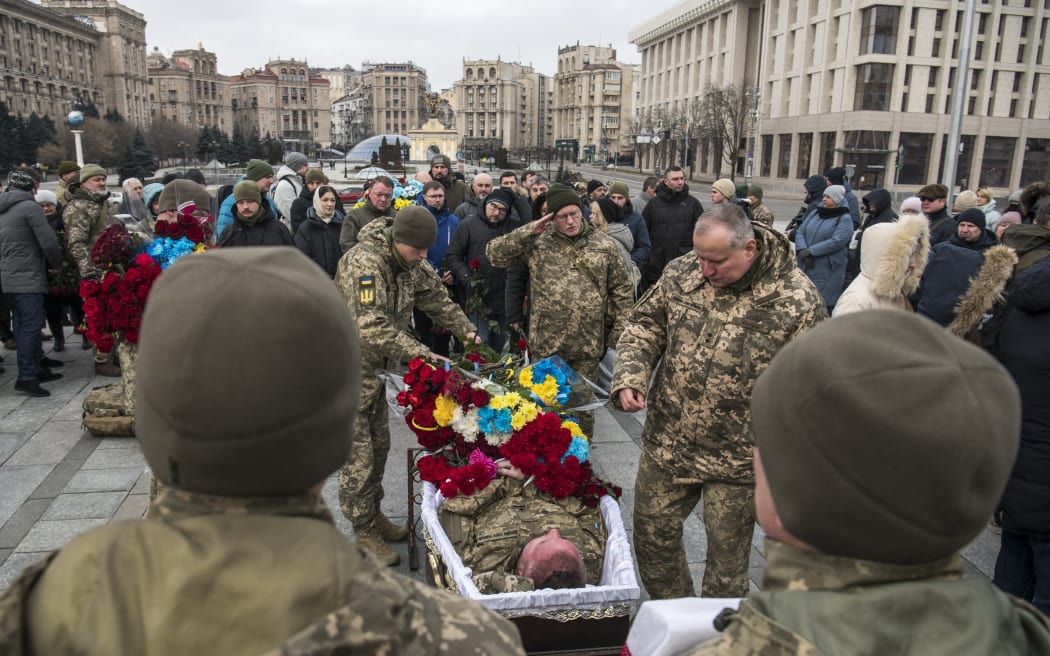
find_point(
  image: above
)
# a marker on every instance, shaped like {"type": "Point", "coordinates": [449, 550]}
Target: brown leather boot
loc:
{"type": "Point", "coordinates": [369, 538]}
{"type": "Point", "coordinates": [390, 531]}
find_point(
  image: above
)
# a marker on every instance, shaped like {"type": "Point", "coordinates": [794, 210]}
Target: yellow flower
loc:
{"type": "Point", "coordinates": [547, 390]}
{"type": "Point", "coordinates": [574, 429]}
{"type": "Point", "coordinates": [200, 248]}
{"type": "Point", "coordinates": [525, 413]}
{"type": "Point", "coordinates": [525, 377]}
{"type": "Point", "coordinates": [402, 203]}
{"type": "Point", "coordinates": [444, 406]}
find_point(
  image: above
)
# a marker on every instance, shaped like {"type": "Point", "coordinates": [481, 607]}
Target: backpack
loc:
{"type": "Point", "coordinates": [222, 193]}
{"type": "Point", "coordinates": [105, 412]}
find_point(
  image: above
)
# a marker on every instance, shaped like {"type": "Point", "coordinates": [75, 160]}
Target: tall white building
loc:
{"type": "Point", "coordinates": [501, 104]}
{"type": "Point", "coordinates": [857, 83]}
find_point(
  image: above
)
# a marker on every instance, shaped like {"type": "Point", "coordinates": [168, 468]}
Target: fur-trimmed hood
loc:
{"type": "Point", "coordinates": [888, 248]}
{"type": "Point", "coordinates": [985, 289]}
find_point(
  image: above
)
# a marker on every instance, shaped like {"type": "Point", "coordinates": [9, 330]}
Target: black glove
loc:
{"type": "Point", "coordinates": [806, 258]}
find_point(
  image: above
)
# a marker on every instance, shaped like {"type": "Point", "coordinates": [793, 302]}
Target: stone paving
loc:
{"type": "Point", "coordinates": [57, 481]}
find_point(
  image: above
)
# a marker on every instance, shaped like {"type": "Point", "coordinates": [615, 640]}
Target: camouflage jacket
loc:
{"type": "Point", "coordinates": [491, 527]}
{"type": "Point", "coordinates": [357, 218]}
{"type": "Point", "coordinates": [381, 290]}
{"type": "Point", "coordinates": [62, 192]}
{"type": "Point", "coordinates": [581, 290]}
{"type": "Point", "coordinates": [713, 343]}
{"type": "Point", "coordinates": [230, 576]}
{"type": "Point", "coordinates": [761, 214]}
{"type": "Point", "coordinates": [85, 217]}
{"type": "Point", "coordinates": [814, 604]}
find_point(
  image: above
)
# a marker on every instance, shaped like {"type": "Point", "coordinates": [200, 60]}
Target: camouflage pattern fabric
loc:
{"type": "Point", "coordinates": [105, 412]}
{"type": "Point", "coordinates": [297, 585]}
{"type": "Point", "coordinates": [500, 582]}
{"type": "Point", "coordinates": [815, 604]}
{"type": "Point", "coordinates": [357, 218]}
{"type": "Point", "coordinates": [380, 292]}
{"type": "Point", "coordinates": [62, 192]}
{"type": "Point", "coordinates": [581, 290]}
{"type": "Point", "coordinates": [711, 344]}
{"type": "Point", "coordinates": [761, 214]}
{"type": "Point", "coordinates": [662, 504]}
{"type": "Point", "coordinates": [491, 527]}
{"type": "Point", "coordinates": [85, 217]}
{"type": "Point", "coordinates": [128, 355]}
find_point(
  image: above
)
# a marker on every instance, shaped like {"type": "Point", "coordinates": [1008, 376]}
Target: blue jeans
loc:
{"type": "Point", "coordinates": [495, 340]}
{"type": "Point", "coordinates": [29, 319]}
{"type": "Point", "coordinates": [1023, 568]}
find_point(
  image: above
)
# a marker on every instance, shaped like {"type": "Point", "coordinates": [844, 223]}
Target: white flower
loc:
{"type": "Point", "coordinates": [466, 424]}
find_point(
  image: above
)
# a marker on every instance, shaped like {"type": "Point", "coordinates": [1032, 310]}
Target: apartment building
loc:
{"type": "Point", "coordinates": [120, 53]}
{"type": "Point", "coordinates": [593, 102]}
{"type": "Point", "coordinates": [502, 104]}
{"type": "Point", "coordinates": [866, 85]}
{"type": "Point", "coordinates": [187, 88]}
{"type": "Point", "coordinates": [393, 96]}
{"type": "Point", "coordinates": [285, 100]}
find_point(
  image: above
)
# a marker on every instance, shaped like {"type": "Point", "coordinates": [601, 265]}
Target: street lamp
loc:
{"type": "Point", "coordinates": [182, 146]}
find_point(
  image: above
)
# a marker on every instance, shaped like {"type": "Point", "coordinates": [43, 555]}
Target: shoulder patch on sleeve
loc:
{"type": "Point", "coordinates": [366, 293]}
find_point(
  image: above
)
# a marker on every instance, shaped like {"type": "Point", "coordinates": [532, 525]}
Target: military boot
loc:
{"type": "Point", "coordinates": [370, 538]}
{"type": "Point", "coordinates": [390, 531]}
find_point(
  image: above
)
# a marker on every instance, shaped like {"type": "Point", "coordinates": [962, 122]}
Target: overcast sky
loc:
{"type": "Point", "coordinates": [436, 35]}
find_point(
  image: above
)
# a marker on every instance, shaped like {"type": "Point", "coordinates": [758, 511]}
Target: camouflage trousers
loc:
{"type": "Point", "coordinates": [361, 478]}
{"type": "Point", "coordinates": [661, 505]}
{"type": "Point", "coordinates": [589, 370]}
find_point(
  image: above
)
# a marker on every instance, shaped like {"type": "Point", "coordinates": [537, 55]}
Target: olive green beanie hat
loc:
{"type": "Point", "coordinates": [560, 196]}
{"type": "Point", "coordinates": [258, 169]}
{"type": "Point", "coordinates": [231, 400]}
{"type": "Point", "coordinates": [90, 171]}
{"type": "Point", "coordinates": [619, 188]}
{"type": "Point", "coordinates": [415, 226]}
{"type": "Point", "coordinates": [247, 190]}
{"type": "Point", "coordinates": [884, 437]}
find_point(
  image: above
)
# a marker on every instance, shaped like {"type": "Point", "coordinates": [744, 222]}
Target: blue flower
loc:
{"type": "Point", "coordinates": [579, 448]}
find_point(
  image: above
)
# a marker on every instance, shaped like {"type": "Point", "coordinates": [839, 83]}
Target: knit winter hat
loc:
{"type": "Point", "coordinates": [440, 159]}
{"type": "Point", "coordinates": [756, 191]}
{"type": "Point", "coordinates": [47, 196]}
{"type": "Point", "coordinates": [836, 175]}
{"type": "Point", "coordinates": [501, 195]}
{"type": "Point", "coordinates": [725, 187]}
{"type": "Point", "coordinates": [90, 171]}
{"type": "Point", "coordinates": [295, 161]}
{"type": "Point", "coordinates": [619, 188]}
{"type": "Point", "coordinates": [245, 190]}
{"type": "Point", "coordinates": [934, 191]}
{"type": "Point", "coordinates": [178, 193]}
{"type": "Point", "coordinates": [965, 200]}
{"type": "Point", "coordinates": [560, 196]}
{"type": "Point", "coordinates": [258, 169]}
{"type": "Point", "coordinates": [415, 226]}
{"type": "Point", "coordinates": [209, 414]}
{"type": "Point", "coordinates": [22, 178]}
{"type": "Point", "coordinates": [593, 185]}
{"type": "Point", "coordinates": [610, 210]}
{"type": "Point", "coordinates": [973, 215]}
{"type": "Point", "coordinates": [316, 175]}
{"type": "Point", "coordinates": [1007, 217]}
{"type": "Point", "coordinates": [67, 166]}
{"type": "Point", "coordinates": [911, 204]}
{"type": "Point", "coordinates": [868, 457]}
{"type": "Point", "coordinates": [836, 193]}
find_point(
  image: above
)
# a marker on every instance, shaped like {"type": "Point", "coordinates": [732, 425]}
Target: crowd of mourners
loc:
{"type": "Point", "coordinates": [868, 384]}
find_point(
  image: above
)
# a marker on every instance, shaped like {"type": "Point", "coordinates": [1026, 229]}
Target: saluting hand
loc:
{"type": "Point", "coordinates": [540, 224]}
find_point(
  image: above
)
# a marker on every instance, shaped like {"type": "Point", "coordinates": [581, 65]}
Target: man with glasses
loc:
{"type": "Point", "coordinates": [433, 199]}
{"type": "Point", "coordinates": [580, 288]}
{"type": "Point", "coordinates": [379, 200]}
{"type": "Point", "coordinates": [934, 198]}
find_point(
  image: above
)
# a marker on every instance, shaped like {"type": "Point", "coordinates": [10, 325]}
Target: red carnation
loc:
{"type": "Point", "coordinates": [479, 398]}
{"type": "Point", "coordinates": [474, 264]}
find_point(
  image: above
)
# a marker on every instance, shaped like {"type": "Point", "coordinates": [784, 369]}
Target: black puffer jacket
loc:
{"type": "Point", "coordinates": [468, 243]}
{"type": "Point", "coordinates": [299, 206]}
{"type": "Point", "coordinates": [877, 209]}
{"type": "Point", "coordinates": [1025, 504]}
{"type": "Point", "coordinates": [320, 241]}
{"type": "Point", "coordinates": [670, 218]}
{"type": "Point", "coordinates": [267, 231]}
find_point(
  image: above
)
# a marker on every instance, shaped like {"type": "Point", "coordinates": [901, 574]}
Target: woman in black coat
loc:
{"type": "Point", "coordinates": [318, 236]}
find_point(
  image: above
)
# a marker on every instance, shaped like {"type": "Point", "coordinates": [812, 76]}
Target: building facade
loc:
{"type": "Point", "coordinates": [593, 103]}
{"type": "Point", "coordinates": [285, 100]}
{"type": "Point", "coordinates": [349, 120]}
{"type": "Point", "coordinates": [501, 104]}
{"type": "Point", "coordinates": [866, 85]}
{"type": "Point", "coordinates": [393, 95]}
{"type": "Point", "coordinates": [341, 81]}
{"type": "Point", "coordinates": [121, 53]}
{"type": "Point", "coordinates": [187, 88]}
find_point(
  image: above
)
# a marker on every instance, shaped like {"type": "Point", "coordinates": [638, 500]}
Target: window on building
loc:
{"type": "Point", "coordinates": [827, 150]}
{"type": "Point", "coordinates": [873, 87]}
{"type": "Point", "coordinates": [878, 33]}
{"type": "Point", "coordinates": [805, 154]}
{"type": "Point", "coordinates": [784, 157]}
{"type": "Point", "coordinates": [1036, 164]}
{"type": "Point", "coordinates": [997, 161]}
{"type": "Point", "coordinates": [962, 162]}
{"type": "Point", "coordinates": [935, 50]}
{"type": "Point", "coordinates": [915, 160]}
{"type": "Point", "coordinates": [767, 155]}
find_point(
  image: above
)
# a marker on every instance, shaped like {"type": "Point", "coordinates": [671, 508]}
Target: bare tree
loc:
{"type": "Point", "coordinates": [164, 137]}
{"type": "Point", "coordinates": [724, 117]}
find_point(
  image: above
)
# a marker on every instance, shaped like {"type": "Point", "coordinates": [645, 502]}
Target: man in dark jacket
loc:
{"type": "Point", "coordinates": [642, 245]}
{"type": "Point", "coordinates": [877, 209]}
{"type": "Point", "coordinates": [971, 231]}
{"type": "Point", "coordinates": [814, 186]}
{"type": "Point", "coordinates": [934, 199]}
{"type": "Point", "coordinates": [467, 247]}
{"type": "Point", "coordinates": [455, 190]}
{"type": "Point", "coordinates": [669, 216]}
{"type": "Point", "coordinates": [1030, 240]}
{"type": "Point", "coordinates": [379, 200]}
{"type": "Point", "coordinates": [28, 248]}
{"type": "Point", "coordinates": [254, 223]}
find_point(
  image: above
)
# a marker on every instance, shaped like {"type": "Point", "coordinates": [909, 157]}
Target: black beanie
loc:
{"type": "Point", "coordinates": [610, 210]}
{"type": "Point", "coordinates": [974, 216]}
{"type": "Point", "coordinates": [594, 184]}
{"type": "Point", "coordinates": [837, 175]}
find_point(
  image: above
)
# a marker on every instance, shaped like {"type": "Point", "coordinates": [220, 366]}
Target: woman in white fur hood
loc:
{"type": "Point", "coordinates": [891, 265]}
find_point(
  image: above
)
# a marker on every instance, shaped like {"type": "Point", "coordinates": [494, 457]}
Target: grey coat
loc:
{"type": "Point", "coordinates": [28, 245]}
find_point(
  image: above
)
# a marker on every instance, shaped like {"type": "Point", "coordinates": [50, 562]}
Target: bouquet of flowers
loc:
{"type": "Point", "coordinates": [404, 195]}
{"type": "Point", "coordinates": [187, 234]}
{"type": "Point", "coordinates": [466, 422]}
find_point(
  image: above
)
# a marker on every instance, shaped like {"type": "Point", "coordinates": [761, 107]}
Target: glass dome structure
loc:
{"type": "Point", "coordinates": [362, 151]}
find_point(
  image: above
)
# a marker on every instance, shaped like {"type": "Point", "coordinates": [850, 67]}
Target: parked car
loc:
{"type": "Point", "coordinates": [350, 195]}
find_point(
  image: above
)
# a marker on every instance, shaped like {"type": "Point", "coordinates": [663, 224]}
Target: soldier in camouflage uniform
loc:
{"type": "Point", "coordinates": [85, 217]}
{"type": "Point", "coordinates": [382, 279]}
{"type": "Point", "coordinates": [869, 479]}
{"type": "Point", "coordinates": [68, 174]}
{"type": "Point", "coordinates": [491, 528]}
{"type": "Point", "coordinates": [242, 556]}
{"type": "Point", "coordinates": [716, 317]}
{"type": "Point", "coordinates": [581, 289]}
